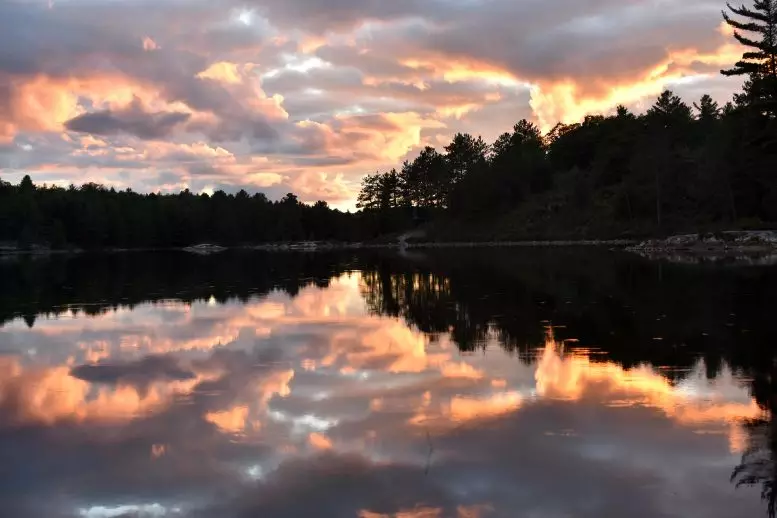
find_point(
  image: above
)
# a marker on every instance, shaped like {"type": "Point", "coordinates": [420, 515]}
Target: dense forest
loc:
{"type": "Point", "coordinates": [93, 216]}
{"type": "Point", "coordinates": [676, 167]}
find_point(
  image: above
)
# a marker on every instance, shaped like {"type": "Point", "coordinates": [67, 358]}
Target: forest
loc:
{"type": "Point", "coordinates": [677, 167]}
{"type": "Point", "coordinates": [94, 216]}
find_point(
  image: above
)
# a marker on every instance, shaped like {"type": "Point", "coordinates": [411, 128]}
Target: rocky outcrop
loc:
{"type": "Point", "coordinates": [204, 249]}
{"type": "Point", "coordinates": [750, 245]}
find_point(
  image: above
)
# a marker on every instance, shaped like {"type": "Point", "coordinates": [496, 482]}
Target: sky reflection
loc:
{"type": "Point", "coordinates": [311, 406]}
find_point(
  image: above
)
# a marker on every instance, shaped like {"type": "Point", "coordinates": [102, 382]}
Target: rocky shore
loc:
{"type": "Point", "coordinates": [755, 247]}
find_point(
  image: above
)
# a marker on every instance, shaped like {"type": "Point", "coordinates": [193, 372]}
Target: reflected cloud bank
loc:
{"type": "Point", "coordinates": [312, 403]}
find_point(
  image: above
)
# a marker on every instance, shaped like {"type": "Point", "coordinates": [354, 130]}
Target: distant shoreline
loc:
{"type": "Point", "coordinates": [312, 246]}
{"type": "Point", "coordinates": [722, 244]}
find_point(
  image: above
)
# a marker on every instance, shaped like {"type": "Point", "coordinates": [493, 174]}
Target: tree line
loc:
{"type": "Point", "coordinates": [674, 167]}
{"type": "Point", "coordinates": [93, 216]}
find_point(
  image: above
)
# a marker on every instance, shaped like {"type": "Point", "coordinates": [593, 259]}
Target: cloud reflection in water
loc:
{"type": "Point", "coordinates": [310, 405]}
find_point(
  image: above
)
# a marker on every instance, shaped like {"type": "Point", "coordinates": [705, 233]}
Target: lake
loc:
{"type": "Point", "coordinates": [541, 383]}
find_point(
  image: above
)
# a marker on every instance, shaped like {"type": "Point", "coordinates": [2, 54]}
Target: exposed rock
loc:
{"type": "Point", "coordinates": [722, 245]}
{"type": "Point", "coordinates": [204, 249]}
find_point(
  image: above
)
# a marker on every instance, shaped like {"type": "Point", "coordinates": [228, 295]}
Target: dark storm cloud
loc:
{"type": "Point", "coordinates": [140, 373]}
{"type": "Point", "coordinates": [339, 14]}
{"type": "Point", "coordinates": [333, 485]}
{"type": "Point", "coordinates": [35, 39]}
{"type": "Point", "coordinates": [133, 120]}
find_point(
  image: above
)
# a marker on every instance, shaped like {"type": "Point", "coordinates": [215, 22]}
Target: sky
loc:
{"type": "Point", "coordinates": [309, 96]}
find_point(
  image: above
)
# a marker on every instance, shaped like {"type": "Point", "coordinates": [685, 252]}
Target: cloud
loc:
{"type": "Point", "coordinates": [140, 373]}
{"type": "Point", "coordinates": [304, 94]}
{"type": "Point", "coordinates": [250, 405]}
{"type": "Point", "coordinates": [51, 395]}
{"type": "Point", "coordinates": [133, 120]}
{"type": "Point", "coordinates": [340, 15]}
{"type": "Point", "coordinates": [313, 186]}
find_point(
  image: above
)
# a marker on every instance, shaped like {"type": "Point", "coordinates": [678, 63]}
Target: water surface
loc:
{"type": "Point", "coordinates": [537, 383]}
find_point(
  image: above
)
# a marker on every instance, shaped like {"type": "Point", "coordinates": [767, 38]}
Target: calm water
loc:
{"type": "Point", "coordinates": [527, 383]}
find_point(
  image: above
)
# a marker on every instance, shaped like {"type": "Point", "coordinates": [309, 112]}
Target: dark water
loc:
{"type": "Point", "coordinates": [527, 383]}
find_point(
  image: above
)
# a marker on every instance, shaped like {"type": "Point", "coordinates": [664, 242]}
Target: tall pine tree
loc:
{"type": "Point", "coordinates": [760, 63]}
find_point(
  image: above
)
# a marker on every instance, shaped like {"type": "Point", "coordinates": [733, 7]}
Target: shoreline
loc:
{"type": "Point", "coordinates": [723, 245]}
{"type": "Point", "coordinates": [311, 246]}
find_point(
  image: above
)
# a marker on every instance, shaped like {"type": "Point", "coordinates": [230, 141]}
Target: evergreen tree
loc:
{"type": "Point", "coordinates": [707, 108]}
{"type": "Point", "coordinates": [760, 63]}
{"type": "Point", "coordinates": [369, 195]}
{"type": "Point", "coordinates": [623, 113]}
{"type": "Point", "coordinates": [465, 154]}
{"type": "Point", "coordinates": [669, 110]}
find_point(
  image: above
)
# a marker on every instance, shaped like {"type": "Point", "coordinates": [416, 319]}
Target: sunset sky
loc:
{"type": "Point", "coordinates": [310, 95]}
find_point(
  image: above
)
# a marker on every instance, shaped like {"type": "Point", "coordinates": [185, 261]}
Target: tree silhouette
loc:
{"type": "Point", "coordinates": [93, 216]}
{"type": "Point", "coordinates": [759, 462]}
{"type": "Point", "coordinates": [759, 63]}
{"type": "Point", "coordinates": [708, 109]}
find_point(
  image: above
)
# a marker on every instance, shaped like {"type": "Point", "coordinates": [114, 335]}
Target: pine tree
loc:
{"type": "Point", "coordinates": [623, 113]}
{"type": "Point", "coordinates": [708, 109]}
{"type": "Point", "coordinates": [760, 63]}
{"type": "Point", "coordinates": [669, 110]}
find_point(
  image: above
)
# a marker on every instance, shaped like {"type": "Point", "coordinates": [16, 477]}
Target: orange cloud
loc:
{"type": "Point", "coordinates": [244, 84]}
{"type": "Point", "coordinates": [384, 137]}
{"type": "Point", "coordinates": [40, 104]}
{"type": "Point", "coordinates": [247, 415]}
{"type": "Point", "coordinates": [572, 376]}
{"type": "Point", "coordinates": [226, 72]}
{"type": "Point", "coordinates": [401, 348]}
{"type": "Point", "coordinates": [314, 186]}
{"type": "Point", "coordinates": [463, 409]}
{"type": "Point", "coordinates": [461, 70]}
{"type": "Point", "coordinates": [274, 384]}
{"type": "Point", "coordinates": [320, 441]}
{"type": "Point", "coordinates": [310, 44]}
{"type": "Point", "coordinates": [234, 420]}
{"type": "Point", "coordinates": [564, 100]}
{"type": "Point", "coordinates": [462, 511]}
{"type": "Point", "coordinates": [90, 141]}
{"type": "Point", "coordinates": [421, 512]}
{"type": "Point", "coordinates": [49, 395]}
{"type": "Point", "coordinates": [44, 104]}
{"type": "Point", "coordinates": [162, 151]}
{"type": "Point", "coordinates": [461, 370]}
{"type": "Point", "coordinates": [7, 131]}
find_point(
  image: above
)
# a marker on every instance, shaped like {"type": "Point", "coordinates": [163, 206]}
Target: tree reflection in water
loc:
{"type": "Point", "coordinates": [630, 311]}
{"type": "Point", "coordinates": [758, 466]}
